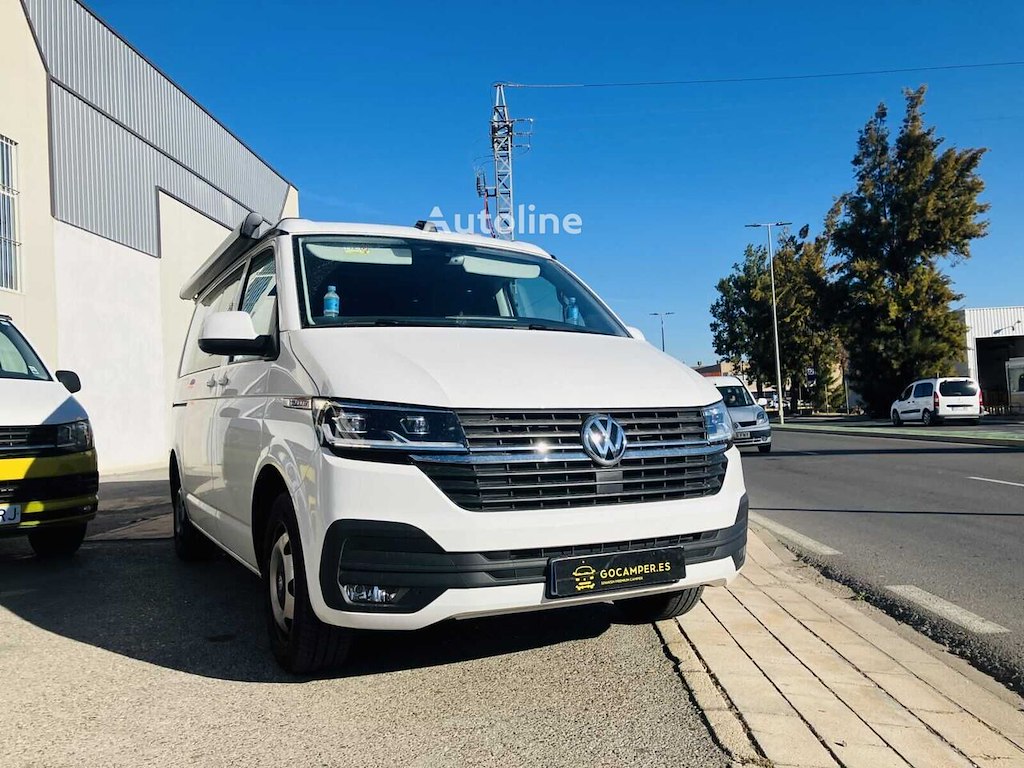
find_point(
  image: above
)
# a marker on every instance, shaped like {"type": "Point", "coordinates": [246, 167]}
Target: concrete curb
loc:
{"type": "Point", "coordinates": [930, 437]}
{"type": "Point", "coordinates": [789, 674]}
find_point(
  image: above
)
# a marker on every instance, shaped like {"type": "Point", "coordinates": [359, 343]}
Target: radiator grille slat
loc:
{"type": "Point", "coordinates": [549, 470]}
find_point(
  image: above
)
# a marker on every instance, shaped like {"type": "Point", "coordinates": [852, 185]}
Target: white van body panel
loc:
{"type": "Point", "coordinates": [483, 368]}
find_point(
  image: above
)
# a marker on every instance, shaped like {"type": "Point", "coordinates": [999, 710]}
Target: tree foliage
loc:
{"type": "Point", "coordinates": [742, 314]}
{"type": "Point", "coordinates": [913, 206]}
{"type": "Point", "coordinates": [885, 305]}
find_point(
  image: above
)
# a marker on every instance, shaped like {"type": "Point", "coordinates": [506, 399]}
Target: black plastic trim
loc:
{"type": "Point", "coordinates": [402, 556]}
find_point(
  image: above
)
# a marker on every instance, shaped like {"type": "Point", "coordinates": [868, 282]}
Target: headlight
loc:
{"type": "Point", "coordinates": [362, 425]}
{"type": "Point", "coordinates": [76, 436]}
{"type": "Point", "coordinates": [762, 417]}
{"type": "Point", "coordinates": [717, 423]}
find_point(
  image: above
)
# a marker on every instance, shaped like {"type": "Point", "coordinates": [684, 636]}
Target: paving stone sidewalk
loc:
{"type": "Point", "coordinates": [789, 674]}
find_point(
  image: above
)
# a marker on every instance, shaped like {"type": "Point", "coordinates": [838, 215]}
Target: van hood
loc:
{"type": "Point", "coordinates": [26, 403]}
{"type": "Point", "coordinates": [496, 368]}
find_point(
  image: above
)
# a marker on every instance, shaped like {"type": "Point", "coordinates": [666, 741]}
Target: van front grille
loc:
{"type": "Point", "coordinates": [560, 430]}
{"type": "Point", "coordinates": [563, 483]}
{"type": "Point", "coordinates": [15, 440]}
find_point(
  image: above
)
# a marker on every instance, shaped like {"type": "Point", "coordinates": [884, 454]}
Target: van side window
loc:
{"type": "Point", "coordinates": [906, 393]}
{"type": "Point", "coordinates": [223, 298]}
{"type": "Point", "coordinates": [259, 297]}
{"type": "Point", "coordinates": [924, 389]}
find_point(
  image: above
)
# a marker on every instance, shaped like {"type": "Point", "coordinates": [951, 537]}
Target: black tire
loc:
{"type": "Point", "coordinates": [645, 610]}
{"type": "Point", "coordinates": [927, 418]}
{"type": "Point", "coordinates": [896, 420]}
{"type": "Point", "coordinates": [765, 448]}
{"type": "Point", "coordinates": [59, 541]}
{"type": "Point", "coordinates": [189, 543]}
{"type": "Point", "coordinates": [302, 644]}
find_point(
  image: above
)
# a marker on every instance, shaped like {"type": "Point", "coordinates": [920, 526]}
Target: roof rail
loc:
{"type": "Point", "coordinates": [238, 242]}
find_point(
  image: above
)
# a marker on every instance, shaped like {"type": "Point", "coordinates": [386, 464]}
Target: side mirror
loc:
{"type": "Point", "coordinates": [70, 380]}
{"type": "Point", "coordinates": [232, 333]}
{"type": "Point", "coordinates": [636, 333]}
{"type": "Point", "coordinates": [762, 401]}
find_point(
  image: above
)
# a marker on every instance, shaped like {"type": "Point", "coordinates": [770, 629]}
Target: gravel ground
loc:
{"type": "Point", "coordinates": [125, 656]}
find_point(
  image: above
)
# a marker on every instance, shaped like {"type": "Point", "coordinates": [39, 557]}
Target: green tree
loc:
{"type": "Point", "coordinates": [913, 206]}
{"type": "Point", "coordinates": [742, 315]}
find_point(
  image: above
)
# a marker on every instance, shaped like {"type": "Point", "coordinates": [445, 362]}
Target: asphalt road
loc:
{"type": "Point", "coordinates": [125, 656]}
{"type": "Point", "coordinates": [930, 516]}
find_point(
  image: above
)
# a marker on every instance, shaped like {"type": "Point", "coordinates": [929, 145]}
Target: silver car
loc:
{"type": "Point", "coordinates": [749, 419]}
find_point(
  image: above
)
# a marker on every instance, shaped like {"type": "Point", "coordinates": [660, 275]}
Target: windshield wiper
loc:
{"type": "Point", "coordinates": [384, 321]}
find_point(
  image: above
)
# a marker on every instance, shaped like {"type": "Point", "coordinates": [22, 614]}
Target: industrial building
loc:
{"type": "Point", "coordinates": [994, 355]}
{"type": "Point", "coordinates": [114, 186]}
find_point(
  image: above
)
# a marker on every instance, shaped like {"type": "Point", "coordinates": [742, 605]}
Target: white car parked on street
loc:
{"type": "Point", "coordinates": [394, 426]}
{"type": "Point", "coordinates": [932, 401]}
{"type": "Point", "coordinates": [749, 419]}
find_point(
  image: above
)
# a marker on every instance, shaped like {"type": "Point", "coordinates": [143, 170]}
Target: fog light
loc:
{"type": "Point", "coordinates": [368, 593]}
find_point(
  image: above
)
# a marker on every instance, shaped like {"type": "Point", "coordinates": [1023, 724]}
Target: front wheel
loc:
{"type": "Point", "coordinates": [765, 448]}
{"type": "Point", "coordinates": [645, 610]}
{"type": "Point", "coordinates": [896, 420]}
{"type": "Point", "coordinates": [61, 541]}
{"type": "Point", "coordinates": [302, 644]}
{"type": "Point", "coordinates": [189, 544]}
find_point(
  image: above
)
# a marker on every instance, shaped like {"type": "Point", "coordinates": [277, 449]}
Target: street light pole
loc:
{"type": "Point", "coordinates": [775, 316]}
{"type": "Point", "coordinates": [661, 315]}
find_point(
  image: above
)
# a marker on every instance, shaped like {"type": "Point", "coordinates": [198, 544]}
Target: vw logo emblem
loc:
{"type": "Point", "coordinates": [604, 439]}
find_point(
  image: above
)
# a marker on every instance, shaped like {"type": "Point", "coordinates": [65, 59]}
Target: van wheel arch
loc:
{"type": "Point", "coordinates": [269, 485]}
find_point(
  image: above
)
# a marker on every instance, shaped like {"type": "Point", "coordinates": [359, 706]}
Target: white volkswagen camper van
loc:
{"type": "Point", "coordinates": [394, 426]}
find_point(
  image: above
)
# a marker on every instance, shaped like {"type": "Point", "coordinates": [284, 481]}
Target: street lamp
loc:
{"type": "Point", "coordinates": [775, 316]}
{"type": "Point", "coordinates": [662, 316]}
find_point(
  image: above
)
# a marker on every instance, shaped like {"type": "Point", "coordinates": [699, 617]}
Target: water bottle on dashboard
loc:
{"type": "Point", "coordinates": [572, 312]}
{"type": "Point", "coordinates": [332, 302]}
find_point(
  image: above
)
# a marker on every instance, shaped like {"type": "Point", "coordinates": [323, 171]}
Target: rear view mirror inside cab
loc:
{"type": "Point", "coordinates": [478, 265]}
{"type": "Point", "coordinates": [369, 254]}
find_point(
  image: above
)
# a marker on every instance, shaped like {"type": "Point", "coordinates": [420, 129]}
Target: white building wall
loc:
{"type": "Point", "coordinates": [107, 300]}
{"type": "Point", "coordinates": [23, 119]}
{"type": "Point", "coordinates": [986, 323]}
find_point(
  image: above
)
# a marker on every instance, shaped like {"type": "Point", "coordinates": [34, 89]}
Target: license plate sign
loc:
{"type": "Point", "coordinates": [588, 574]}
{"type": "Point", "coordinates": [742, 435]}
{"type": "Point", "coordinates": [10, 514]}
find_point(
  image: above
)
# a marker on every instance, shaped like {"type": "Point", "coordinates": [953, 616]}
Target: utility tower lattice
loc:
{"type": "Point", "coordinates": [503, 145]}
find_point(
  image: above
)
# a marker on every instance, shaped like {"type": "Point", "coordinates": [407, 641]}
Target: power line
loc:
{"type": "Point", "coordinates": [767, 79]}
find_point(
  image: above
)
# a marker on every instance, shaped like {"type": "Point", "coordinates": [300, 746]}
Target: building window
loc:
{"type": "Point", "coordinates": [10, 277]}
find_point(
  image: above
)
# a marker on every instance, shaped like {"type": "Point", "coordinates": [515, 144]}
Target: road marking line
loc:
{"type": "Point", "coordinates": [805, 542]}
{"type": "Point", "coordinates": [947, 610]}
{"type": "Point", "coordinates": [1001, 482]}
{"type": "Point", "coordinates": [810, 453]}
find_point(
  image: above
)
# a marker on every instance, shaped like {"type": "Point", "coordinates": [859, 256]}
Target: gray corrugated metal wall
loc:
{"type": "Point", "coordinates": [104, 173]}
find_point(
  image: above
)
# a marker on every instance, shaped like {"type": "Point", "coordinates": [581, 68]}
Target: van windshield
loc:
{"type": "Point", "coordinates": [360, 281]}
{"type": "Point", "coordinates": [735, 396]}
{"type": "Point", "coordinates": [17, 360]}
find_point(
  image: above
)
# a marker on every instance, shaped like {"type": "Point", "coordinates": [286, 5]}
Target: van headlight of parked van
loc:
{"type": "Point", "coordinates": [346, 425]}
{"type": "Point", "coordinates": [76, 436]}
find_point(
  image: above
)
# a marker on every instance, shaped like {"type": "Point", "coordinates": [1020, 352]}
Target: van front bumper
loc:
{"type": "Point", "coordinates": [388, 525]}
{"type": "Point", "coordinates": [48, 491]}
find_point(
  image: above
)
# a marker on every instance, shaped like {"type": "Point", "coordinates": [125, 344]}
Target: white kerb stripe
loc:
{"type": "Point", "coordinates": [947, 610]}
{"type": "Point", "coordinates": [804, 542]}
{"type": "Point", "coordinates": [1001, 482]}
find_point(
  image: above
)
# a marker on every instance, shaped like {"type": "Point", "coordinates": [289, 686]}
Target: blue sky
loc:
{"type": "Point", "coordinates": [378, 112]}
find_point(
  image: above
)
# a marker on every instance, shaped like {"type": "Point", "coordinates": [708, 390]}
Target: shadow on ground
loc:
{"type": "Point", "coordinates": [135, 598]}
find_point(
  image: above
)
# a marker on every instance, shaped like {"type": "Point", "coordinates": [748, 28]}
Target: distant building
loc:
{"type": "Point", "coordinates": [994, 354]}
{"type": "Point", "coordinates": [114, 186]}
